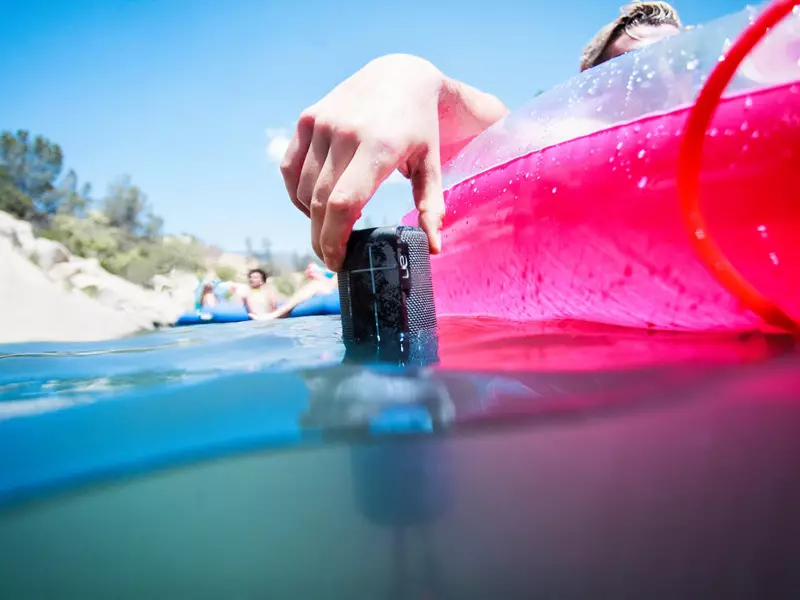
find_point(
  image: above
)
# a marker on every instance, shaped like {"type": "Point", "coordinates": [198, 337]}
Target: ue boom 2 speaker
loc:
{"type": "Point", "coordinates": [386, 295]}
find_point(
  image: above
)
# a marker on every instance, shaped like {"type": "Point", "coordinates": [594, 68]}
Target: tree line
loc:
{"type": "Point", "coordinates": [119, 229]}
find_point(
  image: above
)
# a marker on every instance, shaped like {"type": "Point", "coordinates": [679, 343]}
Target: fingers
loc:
{"type": "Point", "coordinates": [426, 183]}
{"type": "Point", "coordinates": [330, 176]}
{"type": "Point", "coordinates": [342, 150]}
{"type": "Point", "coordinates": [355, 187]}
{"type": "Point", "coordinates": [295, 156]}
{"type": "Point", "coordinates": [315, 159]}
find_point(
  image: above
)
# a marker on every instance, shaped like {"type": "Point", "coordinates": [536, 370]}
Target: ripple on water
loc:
{"type": "Point", "coordinates": [42, 376]}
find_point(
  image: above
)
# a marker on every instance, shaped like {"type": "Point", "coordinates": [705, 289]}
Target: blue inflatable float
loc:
{"type": "Point", "coordinates": [321, 304]}
{"type": "Point", "coordinates": [222, 313]}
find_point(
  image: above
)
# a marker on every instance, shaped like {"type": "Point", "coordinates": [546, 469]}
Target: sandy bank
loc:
{"type": "Point", "coordinates": [33, 308]}
{"type": "Point", "coordinates": [47, 294]}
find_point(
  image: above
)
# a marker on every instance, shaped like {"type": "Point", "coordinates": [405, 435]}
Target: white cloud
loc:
{"type": "Point", "coordinates": [277, 143]}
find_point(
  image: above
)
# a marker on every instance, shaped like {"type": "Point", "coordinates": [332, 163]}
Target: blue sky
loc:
{"type": "Point", "coordinates": [188, 96]}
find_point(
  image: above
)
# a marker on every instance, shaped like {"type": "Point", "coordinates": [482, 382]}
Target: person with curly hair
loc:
{"type": "Point", "coordinates": [639, 24]}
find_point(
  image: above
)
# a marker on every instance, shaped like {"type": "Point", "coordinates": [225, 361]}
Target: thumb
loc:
{"type": "Point", "coordinates": [426, 183]}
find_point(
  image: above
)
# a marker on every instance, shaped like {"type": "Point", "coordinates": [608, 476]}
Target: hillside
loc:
{"type": "Point", "coordinates": [104, 261]}
{"type": "Point", "coordinates": [51, 295]}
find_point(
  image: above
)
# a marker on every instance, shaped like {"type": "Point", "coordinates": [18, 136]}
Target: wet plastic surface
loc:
{"type": "Point", "coordinates": [569, 209]}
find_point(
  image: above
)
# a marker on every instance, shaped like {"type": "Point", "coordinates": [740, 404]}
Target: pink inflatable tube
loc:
{"type": "Point", "coordinates": [572, 208]}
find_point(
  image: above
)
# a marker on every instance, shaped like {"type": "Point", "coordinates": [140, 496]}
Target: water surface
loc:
{"type": "Point", "coordinates": [535, 461]}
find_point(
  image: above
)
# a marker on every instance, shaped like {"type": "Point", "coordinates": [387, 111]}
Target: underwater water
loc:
{"type": "Point", "coordinates": [534, 461]}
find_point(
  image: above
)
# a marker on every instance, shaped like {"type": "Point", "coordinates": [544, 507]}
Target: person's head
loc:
{"type": "Point", "coordinates": [639, 24]}
{"type": "Point", "coordinates": [256, 278]}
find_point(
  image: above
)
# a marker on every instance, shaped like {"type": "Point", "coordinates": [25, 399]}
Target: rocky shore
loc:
{"type": "Point", "coordinates": [48, 294]}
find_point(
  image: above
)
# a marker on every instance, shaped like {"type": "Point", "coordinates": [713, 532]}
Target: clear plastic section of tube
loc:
{"type": "Point", "coordinates": [656, 79]}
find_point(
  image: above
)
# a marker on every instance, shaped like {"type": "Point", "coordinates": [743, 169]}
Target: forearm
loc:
{"type": "Point", "coordinates": [283, 310]}
{"type": "Point", "coordinates": [299, 296]}
{"type": "Point", "coordinates": [464, 113]}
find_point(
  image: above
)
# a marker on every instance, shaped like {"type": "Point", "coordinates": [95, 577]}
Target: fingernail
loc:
{"type": "Point", "coordinates": [437, 242]}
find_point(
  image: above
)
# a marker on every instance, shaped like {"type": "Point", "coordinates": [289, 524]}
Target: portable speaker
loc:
{"type": "Point", "coordinates": [386, 297]}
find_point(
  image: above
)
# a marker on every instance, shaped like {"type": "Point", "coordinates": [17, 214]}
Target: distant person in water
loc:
{"type": "Point", "coordinates": [207, 297]}
{"type": "Point", "coordinates": [412, 118]}
{"type": "Point", "coordinates": [320, 281]}
{"type": "Point", "coordinates": [258, 298]}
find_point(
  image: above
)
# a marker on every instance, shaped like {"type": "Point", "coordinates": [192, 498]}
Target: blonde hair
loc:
{"type": "Point", "coordinates": [631, 15]}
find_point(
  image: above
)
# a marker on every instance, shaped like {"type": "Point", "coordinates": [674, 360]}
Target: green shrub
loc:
{"type": "Point", "coordinates": [12, 200]}
{"type": "Point", "coordinates": [226, 273]}
{"type": "Point", "coordinates": [137, 259]}
{"type": "Point", "coordinates": [91, 291]}
{"type": "Point", "coordinates": [285, 284]}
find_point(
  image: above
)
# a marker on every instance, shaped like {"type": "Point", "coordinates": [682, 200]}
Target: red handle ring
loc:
{"type": "Point", "coordinates": [690, 157]}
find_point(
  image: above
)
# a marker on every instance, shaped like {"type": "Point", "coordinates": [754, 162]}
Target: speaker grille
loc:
{"type": "Point", "coordinates": [420, 307]}
{"type": "Point", "coordinates": [346, 308]}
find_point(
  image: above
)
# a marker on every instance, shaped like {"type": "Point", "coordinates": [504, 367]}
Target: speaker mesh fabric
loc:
{"type": "Point", "coordinates": [420, 308]}
{"type": "Point", "coordinates": [346, 308]}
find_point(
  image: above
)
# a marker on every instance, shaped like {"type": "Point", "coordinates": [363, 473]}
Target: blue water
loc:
{"type": "Point", "coordinates": [244, 461]}
{"type": "Point", "coordinates": [39, 376]}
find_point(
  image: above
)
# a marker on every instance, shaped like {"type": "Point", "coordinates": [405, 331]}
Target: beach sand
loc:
{"type": "Point", "coordinates": [34, 308]}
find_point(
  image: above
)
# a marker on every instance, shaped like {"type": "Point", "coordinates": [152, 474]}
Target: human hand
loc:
{"type": "Point", "coordinates": [382, 118]}
{"type": "Point", "coordinates": [314, 272]}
